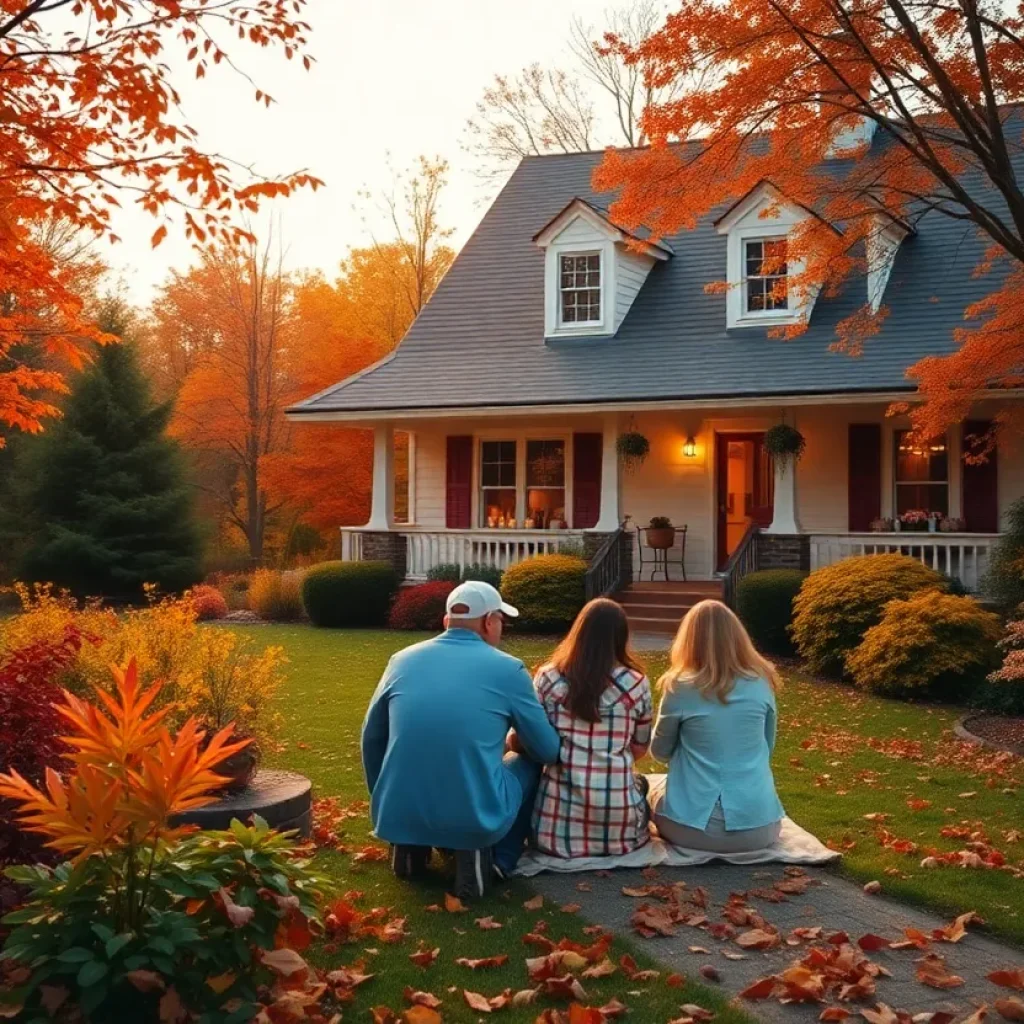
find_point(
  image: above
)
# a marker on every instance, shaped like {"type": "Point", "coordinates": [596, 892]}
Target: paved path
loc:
{"type": "Point", "coordinates": [836, 904]}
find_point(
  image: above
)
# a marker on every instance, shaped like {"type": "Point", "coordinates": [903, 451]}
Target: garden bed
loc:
{"type": "Point", "coordinates": [997, 731]}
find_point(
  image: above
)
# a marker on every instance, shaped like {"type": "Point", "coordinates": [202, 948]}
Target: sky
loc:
{"type": "Point", "coordinates": [392, 79]}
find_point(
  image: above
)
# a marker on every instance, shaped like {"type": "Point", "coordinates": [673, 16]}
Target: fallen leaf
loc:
{"type": "Point", "coordinates": [52, 997]}
{"type": "Point", "coordinates": [421, 1014]}
{"type": "Point", "coordinates": [453, 904]}
{"type": "Point", "coordinates": [833, 1014]}
{"type": "Point", "coordinates": [172, 1010]}
{"type": "Point", "coordinates": [882, 1014]}
{"type": "Point", "coordinates": [238, 916]}
{"type": "Point", "coordinates": [612, 1009]}
{"type": "Point", "coordinates": [600, 970]}
{"type": "Point", "coordinates": [383, 1015]}
{"type": "Point", "coordinates": [758, 938]}
{"type": "Point", "coordinates": [872, 889]}
{"type": "Point", "coordinates": [570, 908]}
{"type": "Point", "coordinates": [760, 989]}
{"type": "Point", "coordinates": [425, 957]}
{"type": "Point", "coordinates": [698, 949]}
{"type": "Point", "coordinates": [871, 943]}
{"type": "Point", "coordinates": [421, 998]}
{"type": "Point", "coordinates": [932, 971]}
{"type": "Point", "coordinates": [220, 983]}
{"type": "Point", "coordinates": [150, 981]}
{"type": "Point", "coordinates": [675, 981]}
{"type": "Point", "coordinates": [488, 961]}
{"type": "Point", "coordinates": [698, 1013]}
{"type": "Point", "coordinates": [1010, 1009]}
{"type": "Point", "coordinates": [475, 1001]}
{"type": "Point", "coordinates": [535, 903]}
{"type": "Point", "coordinates": [285, 962]}
{"type": "Point", "coordinates": [487, 924]}
{"type": "Point", "coordinates": [958, 929]}
{"type": "Point", "coordinates": [1008, 978]}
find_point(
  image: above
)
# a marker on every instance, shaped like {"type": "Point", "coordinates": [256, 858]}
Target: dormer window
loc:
{"type": "Point", "coordinates": [580, 288]}
{"type": "Point", "coordinates": [765, 275]}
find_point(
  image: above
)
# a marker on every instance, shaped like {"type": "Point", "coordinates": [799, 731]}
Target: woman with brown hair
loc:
{"type": "Point", "coordinates": [716, 731]}
{"type": "Point", "coordinates": [591, 803]}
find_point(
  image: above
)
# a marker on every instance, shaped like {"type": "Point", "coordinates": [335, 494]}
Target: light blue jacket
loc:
{"type": "Point", "coordinates": [717, 751]}
{"type": "Point", "coordinates": [434, 738]}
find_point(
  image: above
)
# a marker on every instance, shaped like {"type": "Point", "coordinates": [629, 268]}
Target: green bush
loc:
{"type": "Point", "coordinates": [452, 572]}
{"type": "Point", "coordinates": [548, 590]}
{"type": "Point", "coordinates": [341, 594]}
{"type": "Point", "coordinates": [1004, 579]}
{"type": "Point", "coordinates": [764, 601]}
{"type": "Point", "coordinates": [932, 644]}
{"type": "Point", "coordinates": [839, 603]}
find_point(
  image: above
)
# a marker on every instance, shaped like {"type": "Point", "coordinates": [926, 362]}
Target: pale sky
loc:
{"type": "Point", "coordinates": [398, 76]}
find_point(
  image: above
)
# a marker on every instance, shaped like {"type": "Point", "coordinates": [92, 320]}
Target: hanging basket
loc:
{"type": "Point", "coordinates": [784, 442]}
{"type": "Point", "coordinates": [633, 449]}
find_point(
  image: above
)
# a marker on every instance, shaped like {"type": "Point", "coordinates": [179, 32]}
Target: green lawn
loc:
{"type": "Point", "coordinates": [331, 675]}
{"type": "Point", "coordinates": [841, 756]}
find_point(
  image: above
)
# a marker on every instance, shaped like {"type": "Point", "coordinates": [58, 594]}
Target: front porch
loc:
{"type": "Point", "coordinates": [492, 491]}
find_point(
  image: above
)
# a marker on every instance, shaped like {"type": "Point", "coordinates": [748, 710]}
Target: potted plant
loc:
{"type": "Point", "coordinates": [952, 525]}
{"type": "Point", "coordinates": [633, 449]}
{"type": "Point", "coordinates": [915, 520]}
{"type": "Point", "coordinates": [783, 442]}
{"type": "Point", "coordinates": [661, 533]}
{"type": "Point", "coordinates": [880, 525]}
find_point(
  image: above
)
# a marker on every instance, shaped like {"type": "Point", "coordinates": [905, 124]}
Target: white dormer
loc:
{"type": "Point", "coordinates": [593, 270]}
{"type": "Point", "coordinates": [883, 241]}
{"type": "Point", "coordinates": [758, 274]}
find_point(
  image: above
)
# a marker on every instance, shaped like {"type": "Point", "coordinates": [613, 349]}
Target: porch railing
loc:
{"type": "Point", "coordinates": [742, 561]}
{"type": "Point", "coordinates": [604, 575]}
{"type": "Point", "coordinates": [962, 556]}
{"type": "Point", "coordinates": [498, 548]}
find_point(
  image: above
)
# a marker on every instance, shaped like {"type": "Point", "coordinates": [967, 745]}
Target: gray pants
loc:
{"type": "Point", "coordinates": [715, 838]}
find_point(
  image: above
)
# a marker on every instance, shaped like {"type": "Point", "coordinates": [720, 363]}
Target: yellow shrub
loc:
{"type": "Point", "coordinates": [930, 643]}
{"type": "Point", "coordinates": [276, 596]}
{"type": "Point", "coordinates": [838, 603]}
{"type": "Point", "coordinates": [548, 590]}
{"type": "Point", "coordinates": [214, 673]}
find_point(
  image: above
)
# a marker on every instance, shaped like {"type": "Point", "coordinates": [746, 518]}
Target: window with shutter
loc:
{"type": "Point", "coordinates": [864, 477]}
{"type": "Point", "coordinates": [980, 481]}
{"type": "Point", "coordinates": [586, 480]}
{"type": "Point", "coordinates": [459, 483]}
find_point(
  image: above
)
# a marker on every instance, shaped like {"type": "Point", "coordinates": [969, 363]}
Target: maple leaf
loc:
{"type": "Point", "coordinates": [488, 961]}
{"type": "Point", "coordinates": [486, 924]}
{"type": "Point", "coordinates": [958, 929]}
{"type": "Point", "coordinates": [932, 971]}
{"type": "Point", "coordinates": [453, 904]}
{"type": "Point", "coordinates": [760, 989]}
{"type": "Point", "coordinates": [758, 938]}
{"type": "Point", "coordinates": [1010, 1009]}
{"type": "Point", "coordinates": [566, 987]}
{"type": "Point", "coordinates": [425, 957]}
{"type": "Point", "coordinates": [1008, 978]}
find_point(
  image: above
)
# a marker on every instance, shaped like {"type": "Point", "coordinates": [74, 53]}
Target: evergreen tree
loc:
{"type": "Point", "coordinates": [108, 504]}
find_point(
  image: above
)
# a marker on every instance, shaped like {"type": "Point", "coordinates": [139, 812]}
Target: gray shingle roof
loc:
{"type": "Point", "coordinates": [480, 340]}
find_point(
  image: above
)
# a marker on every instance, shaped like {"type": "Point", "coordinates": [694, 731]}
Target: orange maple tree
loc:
{"type": "Point", "coordinates": [92, 119]}
{"type": "Point", "coordinates": [770, 89]}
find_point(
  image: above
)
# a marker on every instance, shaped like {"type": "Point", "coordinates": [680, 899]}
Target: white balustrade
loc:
{"type": "Point", "coordinates": [499, 548]}
{"type": "Point", "coordinates": [963, 556]}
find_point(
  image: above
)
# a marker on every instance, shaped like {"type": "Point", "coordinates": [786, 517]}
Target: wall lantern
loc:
{"type": "Point", "coordinates": [690, 447]}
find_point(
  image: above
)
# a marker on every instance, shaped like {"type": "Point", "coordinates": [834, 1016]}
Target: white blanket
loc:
{"type": "Point", "coordinates": [795, 845]}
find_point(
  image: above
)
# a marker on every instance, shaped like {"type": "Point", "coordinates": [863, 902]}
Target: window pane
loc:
{"type": "Point", "coordinates": [545, 506]}
{"type": "Point", "coordinates": [496, 504]}
{"type": "Point", "coordinates": [920, 462]}
{"type": "Point", "coordinates": [922, 497]}
{"type": "Point", "coordinates": [545, 463]}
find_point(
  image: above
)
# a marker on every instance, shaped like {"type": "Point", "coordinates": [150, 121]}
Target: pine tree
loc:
{"type": "Point", "coordinates": [108, 504]}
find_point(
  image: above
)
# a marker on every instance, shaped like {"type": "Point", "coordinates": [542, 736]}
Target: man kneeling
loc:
{"type": "Point", "coordinates": [434, 747]}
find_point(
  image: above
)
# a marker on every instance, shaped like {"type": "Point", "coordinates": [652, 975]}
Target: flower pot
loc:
{"type": "Point", "coordinates": [239, 768]}
{"type": "Point", "coordinates": [661, 537]}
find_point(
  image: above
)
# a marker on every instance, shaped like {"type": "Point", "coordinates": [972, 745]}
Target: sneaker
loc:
{"type": "Point", "coordinates": [474, 872]}
{"type": "Point", "coordinates": [408, 862]}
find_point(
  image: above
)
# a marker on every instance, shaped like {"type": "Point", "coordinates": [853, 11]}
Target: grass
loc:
{"type": "Point", "coordinates": [841, 755]}
{"type": "Point", "coordinates": [331, 675]}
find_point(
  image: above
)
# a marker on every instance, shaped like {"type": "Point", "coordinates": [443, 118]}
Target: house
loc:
{"type": "Point", "coordinates": [556, 330]}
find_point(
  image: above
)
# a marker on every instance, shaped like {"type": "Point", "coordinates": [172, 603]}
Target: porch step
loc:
{"type": "Point", "coordinates": [658, 607]}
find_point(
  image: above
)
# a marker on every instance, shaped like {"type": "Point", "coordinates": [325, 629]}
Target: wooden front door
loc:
{"type": "Point", "coordinates": [745, 486]}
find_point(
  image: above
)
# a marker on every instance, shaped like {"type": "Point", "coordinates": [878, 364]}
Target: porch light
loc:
{"type": "Point", "coordinates": [689, 447]}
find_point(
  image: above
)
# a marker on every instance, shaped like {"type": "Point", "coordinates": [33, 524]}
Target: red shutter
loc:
{"type": "Point", "coordinates": [864, 476]}
{"type": "Point", "coordinates": [980, 483]}
{"type": "Point", "coordinates": [458, 505]}
{"type": "Point", "coordinates": [586, 480]}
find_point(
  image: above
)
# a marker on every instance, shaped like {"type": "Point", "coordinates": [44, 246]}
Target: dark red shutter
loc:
{"type": "Point", "coordinates": [980, 483]}
{"type": "Point", "coordinates": [864, 476]}
{"type": "Point", "coordinates": [586, 480]}
{"type": "Point", "coordinates": [458, 504]}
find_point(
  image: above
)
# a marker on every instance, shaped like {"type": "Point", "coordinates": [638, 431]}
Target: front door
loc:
{"type": "Point", "coordinates": [745, 488]}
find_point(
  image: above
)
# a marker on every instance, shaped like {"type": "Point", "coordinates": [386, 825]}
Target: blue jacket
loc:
{"type": "Point", "coordinates": [434, 739]}
{"type": "Point", "coordinates": [717, 751]}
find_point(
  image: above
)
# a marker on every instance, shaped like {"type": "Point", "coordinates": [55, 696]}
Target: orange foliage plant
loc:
{"type": "Point", "coordinates": [774, 90]}
{"type": "Point", "coordinates": [90, 112]}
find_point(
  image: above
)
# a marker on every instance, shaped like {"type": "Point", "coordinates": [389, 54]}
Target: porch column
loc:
{"type": "Point", "coordinates": [784, 507]}
{"type": "Point", "coordinates": [611, 513]}
{"type": "Point", "coordinates": [382, 507]}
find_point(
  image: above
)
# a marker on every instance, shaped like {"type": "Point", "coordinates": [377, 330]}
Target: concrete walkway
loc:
{"type": "Point", "coordinates": [836, 904]}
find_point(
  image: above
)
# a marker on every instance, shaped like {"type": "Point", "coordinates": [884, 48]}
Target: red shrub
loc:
{"type": "Point", "coordinates": [30, 727]}
{"type": "Point", "coordinates": [420, 607]}
{"type": "Point", "coordinates": [208, 602]}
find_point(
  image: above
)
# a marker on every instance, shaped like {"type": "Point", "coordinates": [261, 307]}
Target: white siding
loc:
{"type": "Point", "coordinates": [431, 449]}
{"type": "Point", "coordinates": [631, 270]}
{"type": "Point", "coordinates": [582, 234]}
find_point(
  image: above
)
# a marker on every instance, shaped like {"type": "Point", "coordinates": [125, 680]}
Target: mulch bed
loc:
{"type": "Point", "coordinates": [1001, 731]}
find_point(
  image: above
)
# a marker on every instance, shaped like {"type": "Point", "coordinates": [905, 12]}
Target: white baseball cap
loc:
{"type": "Point", "coordinates": [480, 599]}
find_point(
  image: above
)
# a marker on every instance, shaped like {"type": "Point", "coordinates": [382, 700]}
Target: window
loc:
{"type": "Point", "coordinates": [545, 482]}
{"type": "Point", "coordinates": [922, 475]}
{"type": "Point", "coordinates": [580, 288]}
{"type": "Point", "coordinates": [497, 482]}
{"type": "Point", "coordinates": [765, 275]}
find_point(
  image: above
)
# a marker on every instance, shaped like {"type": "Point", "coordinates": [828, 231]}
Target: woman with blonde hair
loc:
{"type": "Point", "coordinates": [716, 731]}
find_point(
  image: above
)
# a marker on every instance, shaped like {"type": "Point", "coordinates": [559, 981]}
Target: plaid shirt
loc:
{"type": "Point", "coordinates": [588, 804]}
